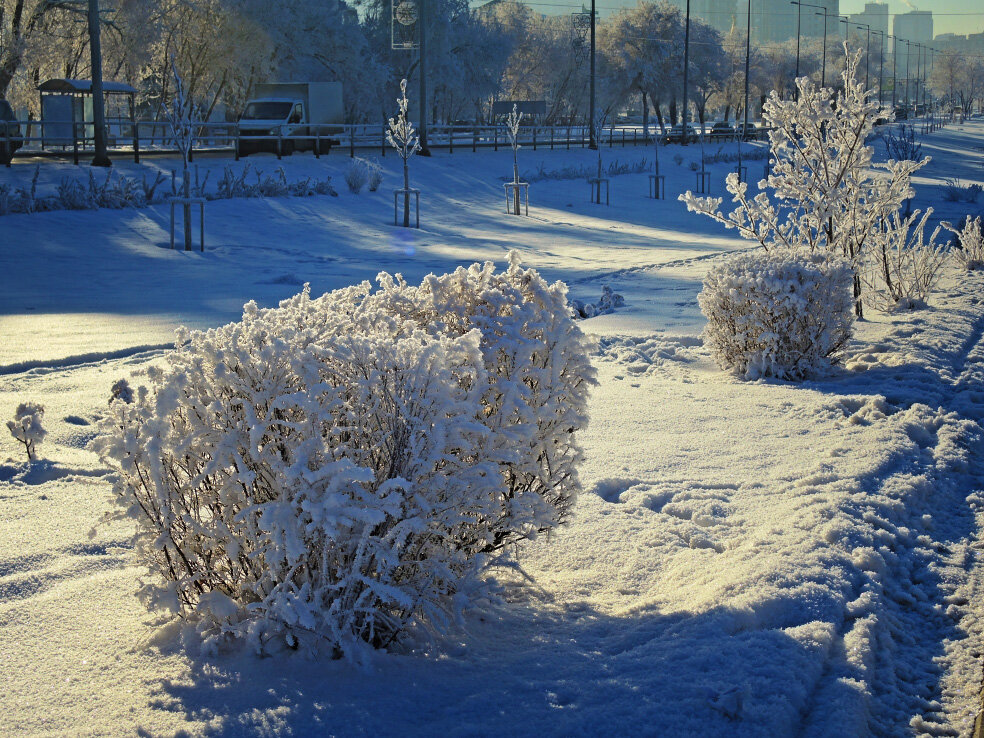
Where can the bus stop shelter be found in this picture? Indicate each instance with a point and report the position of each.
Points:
(66, 111)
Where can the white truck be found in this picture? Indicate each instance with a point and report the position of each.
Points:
(291, 116)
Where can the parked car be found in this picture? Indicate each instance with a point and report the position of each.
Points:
(722, 129)
(676, 135)
(10, 133)
(750, 134)
(901, 112)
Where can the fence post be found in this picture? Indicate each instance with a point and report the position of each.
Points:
(611, 135)
(237, 142)
(382, 141)
(495, 138)
(75, 144)
(551, 137)
(352, 142)
(280, 140)
(317, 142)
(9, 149)
(534, 136)
(451, 140)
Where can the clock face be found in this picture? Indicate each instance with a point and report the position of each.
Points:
(406, 13)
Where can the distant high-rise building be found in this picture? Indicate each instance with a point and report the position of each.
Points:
(775, 20)
(719, 14)
(915, 26)
(874, 15)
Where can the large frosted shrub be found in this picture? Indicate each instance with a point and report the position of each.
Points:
(338, 469)
(778, 314)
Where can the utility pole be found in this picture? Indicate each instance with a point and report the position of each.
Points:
(422, 132)
(101, 156)
(907, 55)
(823, 67)
(591, 112)
(881, 71)
(748, 52)
(686, 69)
(895, 58)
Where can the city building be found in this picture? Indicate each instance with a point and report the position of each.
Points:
(874, 15)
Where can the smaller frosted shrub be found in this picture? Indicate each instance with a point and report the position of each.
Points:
(970, 238)
(356, 176)
(26, 427)
(903, 268)
(375, 174)
(778, 314)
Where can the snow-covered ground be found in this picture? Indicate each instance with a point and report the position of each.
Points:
(748, 559)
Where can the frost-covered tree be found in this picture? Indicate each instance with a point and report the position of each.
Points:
(402, 137)
(181, 117)
(26, 427)
(824, 192)
(513, 121)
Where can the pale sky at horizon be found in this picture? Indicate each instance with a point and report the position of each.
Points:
(949, 16)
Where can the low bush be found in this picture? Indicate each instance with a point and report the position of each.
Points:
(337, 470)
(585, 171)
(955, 191)
(903, 269)
(901, 144)
(27, 428)
(970, 240)
(778, 313)
(356, 176)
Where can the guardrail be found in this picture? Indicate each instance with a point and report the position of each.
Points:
(130, 138)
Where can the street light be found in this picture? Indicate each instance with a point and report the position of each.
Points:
(881, 70)
(907, 55)
(748, 52)
(895, 59)
(799, 7)
(592, 143)
(686, 69)
(823, 67)
(867, 51)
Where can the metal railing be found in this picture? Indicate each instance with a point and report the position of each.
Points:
(130, 138)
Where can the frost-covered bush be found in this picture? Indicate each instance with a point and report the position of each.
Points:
(778, 314)
(356, 176)
(338, 469)
(955, 191)
(610, 301)
(375, 174)
(122, 391)
(26, 427)
(905, 268)
(970, 238)
(902, 145)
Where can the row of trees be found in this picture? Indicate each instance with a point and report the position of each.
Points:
(501, 50)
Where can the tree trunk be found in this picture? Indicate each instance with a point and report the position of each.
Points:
(101, 157)
(645, 117)
(406, 195)
(186, 209)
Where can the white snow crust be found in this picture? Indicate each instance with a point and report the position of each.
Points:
(747, 559)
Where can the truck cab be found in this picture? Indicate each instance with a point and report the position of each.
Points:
(291, 116)
(10, 133)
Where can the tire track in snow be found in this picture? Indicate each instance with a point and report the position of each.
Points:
(909, 594)
(46, 366)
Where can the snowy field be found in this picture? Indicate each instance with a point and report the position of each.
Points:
(748, 559)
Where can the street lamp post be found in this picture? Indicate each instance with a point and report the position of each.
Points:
(748, 52)
(686, 69)
(799, 7)
(823, 65)
(895, 59)
(907, 55)
(881, 69)
(592, 143)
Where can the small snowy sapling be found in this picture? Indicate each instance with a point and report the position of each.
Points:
(402, 137)
(513, 121)
(26, 427)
